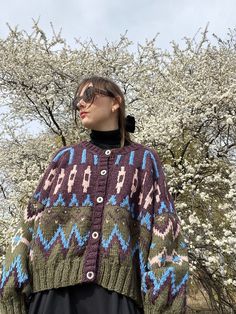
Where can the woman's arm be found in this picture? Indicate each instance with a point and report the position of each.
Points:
(165, 280)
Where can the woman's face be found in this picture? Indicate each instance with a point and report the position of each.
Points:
(101, 115)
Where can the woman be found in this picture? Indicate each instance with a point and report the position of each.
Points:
(126, 255)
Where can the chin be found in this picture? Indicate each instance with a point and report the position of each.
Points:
(87, 125)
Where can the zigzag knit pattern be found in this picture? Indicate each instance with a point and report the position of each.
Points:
(103, 216)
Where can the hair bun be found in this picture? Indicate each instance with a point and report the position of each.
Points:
(130, 123)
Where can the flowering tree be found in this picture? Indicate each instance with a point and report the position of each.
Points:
(184, 102)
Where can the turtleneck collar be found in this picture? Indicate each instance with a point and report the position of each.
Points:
(106, 139)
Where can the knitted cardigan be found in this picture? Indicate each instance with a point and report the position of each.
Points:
(104, 216)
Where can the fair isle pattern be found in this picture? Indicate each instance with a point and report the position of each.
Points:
(98, 210)
(168, 277)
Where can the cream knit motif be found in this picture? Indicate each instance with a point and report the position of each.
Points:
(104, 216)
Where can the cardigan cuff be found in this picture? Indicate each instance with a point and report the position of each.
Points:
(13, 306)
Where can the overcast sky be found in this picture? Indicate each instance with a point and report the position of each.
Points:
(107, 19)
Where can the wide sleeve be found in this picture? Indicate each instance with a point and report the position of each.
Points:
(15, 279)
(165, 279)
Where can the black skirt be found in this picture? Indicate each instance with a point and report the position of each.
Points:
(85, 298)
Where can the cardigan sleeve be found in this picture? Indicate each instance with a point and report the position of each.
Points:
(165, 279)
(15, 281)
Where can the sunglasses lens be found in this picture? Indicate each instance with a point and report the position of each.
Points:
(87, 97)
(75, 103)
(88, 94)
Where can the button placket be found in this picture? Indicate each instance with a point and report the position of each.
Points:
(92, 250)
(95, 234)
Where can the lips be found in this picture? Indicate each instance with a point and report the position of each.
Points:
(83, 113)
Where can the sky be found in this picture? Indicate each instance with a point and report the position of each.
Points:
(106, 20)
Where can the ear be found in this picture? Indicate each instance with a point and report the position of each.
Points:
(117, 102)
(118, 98)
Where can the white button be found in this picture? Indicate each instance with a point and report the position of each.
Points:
(103, 172)
(99, 199)
(95, 234)
(90, 274)
(107, 152)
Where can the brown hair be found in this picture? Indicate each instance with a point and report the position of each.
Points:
(110, 85)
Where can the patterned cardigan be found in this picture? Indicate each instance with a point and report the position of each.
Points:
(103, 216)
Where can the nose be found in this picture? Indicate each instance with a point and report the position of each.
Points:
(81, 104)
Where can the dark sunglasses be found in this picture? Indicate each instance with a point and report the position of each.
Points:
(89, 95)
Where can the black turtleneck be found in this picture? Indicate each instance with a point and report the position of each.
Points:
(106, 139)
